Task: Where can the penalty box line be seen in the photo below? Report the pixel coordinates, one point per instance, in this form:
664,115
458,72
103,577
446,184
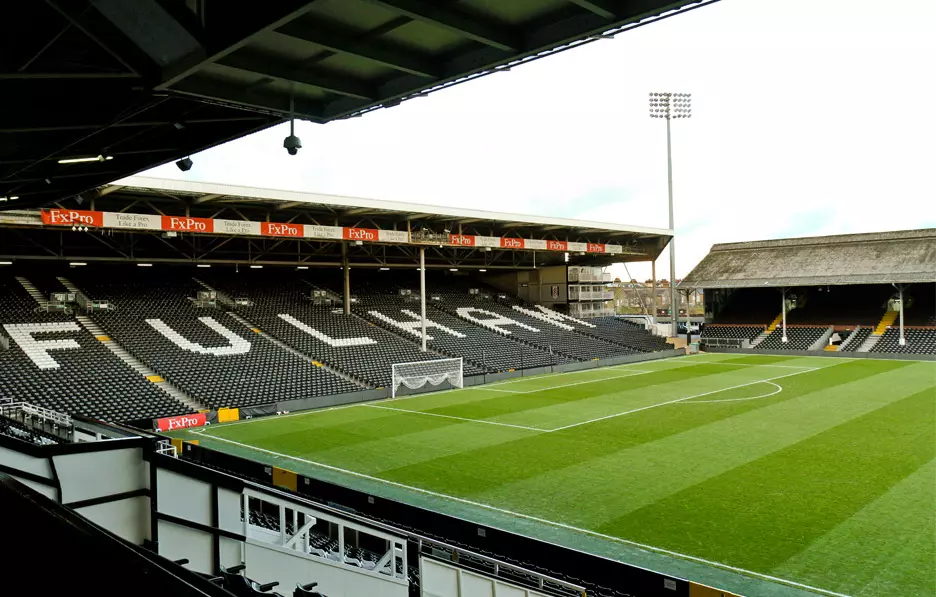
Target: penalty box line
530,517
678,400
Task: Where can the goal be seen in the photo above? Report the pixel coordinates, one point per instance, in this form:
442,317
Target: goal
417,374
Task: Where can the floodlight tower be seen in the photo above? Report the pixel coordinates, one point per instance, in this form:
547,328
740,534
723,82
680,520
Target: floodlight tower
670,105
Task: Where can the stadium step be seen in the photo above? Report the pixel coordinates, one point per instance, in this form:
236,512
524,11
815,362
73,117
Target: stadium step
33,291
848,341
868,344
135,364
237,317
823,341
66,283
886,321
760,338
831,348
776,322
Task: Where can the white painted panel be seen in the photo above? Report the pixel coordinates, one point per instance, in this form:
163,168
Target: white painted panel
128,519
473,585
265,565
511,591
97,474
183,497
229,511
177,542
232,552
437,580
26,463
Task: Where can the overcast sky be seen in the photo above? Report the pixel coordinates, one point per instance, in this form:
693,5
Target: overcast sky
809,117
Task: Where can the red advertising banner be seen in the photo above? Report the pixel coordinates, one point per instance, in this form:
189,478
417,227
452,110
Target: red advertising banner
557,245
368,234
595,248
72,217
183,224
274,229
462,240
181,422
511,243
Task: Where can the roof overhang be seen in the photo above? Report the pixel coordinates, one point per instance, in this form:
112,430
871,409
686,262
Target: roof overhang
180,219
901,257
151,81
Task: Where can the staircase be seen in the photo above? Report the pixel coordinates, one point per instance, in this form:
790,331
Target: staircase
33,291
868,344
844,345
135,364
823,341
761,337
66,283
359,382
776,322
886,322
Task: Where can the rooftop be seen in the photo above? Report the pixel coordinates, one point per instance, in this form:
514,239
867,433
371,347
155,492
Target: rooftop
907,256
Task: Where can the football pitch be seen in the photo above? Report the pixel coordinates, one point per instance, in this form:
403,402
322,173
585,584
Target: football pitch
759,474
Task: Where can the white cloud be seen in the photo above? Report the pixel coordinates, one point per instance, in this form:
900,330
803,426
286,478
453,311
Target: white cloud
808,118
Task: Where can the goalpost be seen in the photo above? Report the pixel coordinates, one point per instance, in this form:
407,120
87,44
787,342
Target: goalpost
417,374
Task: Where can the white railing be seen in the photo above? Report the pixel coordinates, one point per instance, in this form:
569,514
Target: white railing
31,410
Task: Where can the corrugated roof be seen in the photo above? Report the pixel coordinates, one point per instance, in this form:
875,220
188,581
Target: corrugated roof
906,256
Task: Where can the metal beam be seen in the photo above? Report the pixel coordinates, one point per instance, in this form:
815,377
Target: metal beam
207,198
271,67
65,76
606,9
145,123
385,53
214,91
464,24
222,39
290,204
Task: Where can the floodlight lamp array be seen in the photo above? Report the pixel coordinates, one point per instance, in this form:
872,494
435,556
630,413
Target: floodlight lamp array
670,105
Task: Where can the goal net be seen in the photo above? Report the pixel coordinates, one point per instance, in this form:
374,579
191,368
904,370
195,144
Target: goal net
416,375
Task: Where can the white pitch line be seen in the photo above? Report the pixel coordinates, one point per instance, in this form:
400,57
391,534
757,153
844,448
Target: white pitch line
577,383
774,393
628,412
431,414
537,519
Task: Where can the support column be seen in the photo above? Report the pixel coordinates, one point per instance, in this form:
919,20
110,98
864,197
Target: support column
900,289
674,307
654,298
346,270
783,294
422,296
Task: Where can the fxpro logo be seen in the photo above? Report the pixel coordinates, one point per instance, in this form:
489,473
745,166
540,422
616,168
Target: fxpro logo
461,240
512,243
282,230
181,422
71,217
556,245
185,224
361,234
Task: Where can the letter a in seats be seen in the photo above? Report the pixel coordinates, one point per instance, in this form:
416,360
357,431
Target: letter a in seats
236,344
363,341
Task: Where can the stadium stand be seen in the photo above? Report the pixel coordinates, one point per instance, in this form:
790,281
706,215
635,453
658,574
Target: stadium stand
53,362
750,306
482,348
740,332
918,341
854,341
324,333
198,349
799,338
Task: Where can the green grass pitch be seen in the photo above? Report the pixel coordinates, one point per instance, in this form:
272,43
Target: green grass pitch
771,475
